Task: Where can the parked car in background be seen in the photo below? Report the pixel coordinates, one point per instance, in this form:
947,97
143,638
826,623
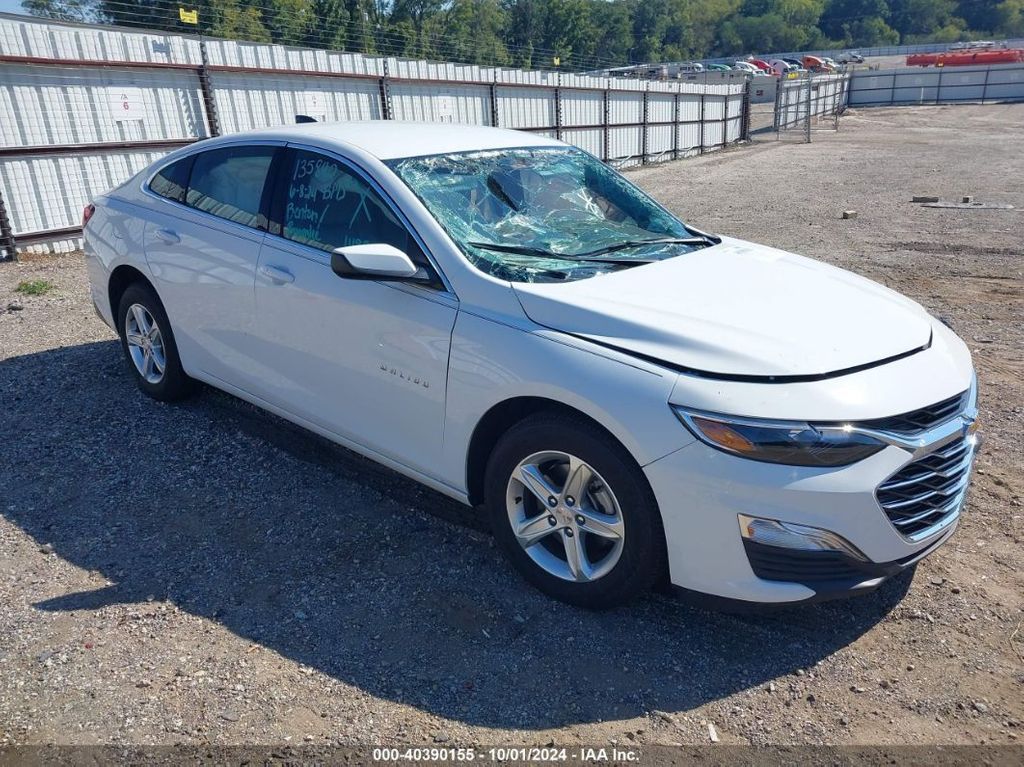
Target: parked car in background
719,68
815,64
783,68
831,63
850,57
796,64
763,65
687,68
509,321
748,68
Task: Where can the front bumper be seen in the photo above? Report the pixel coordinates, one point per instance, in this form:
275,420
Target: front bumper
701,491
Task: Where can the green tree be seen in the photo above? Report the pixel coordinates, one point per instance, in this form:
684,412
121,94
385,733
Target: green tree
61,10
330,28
920,18
1010,18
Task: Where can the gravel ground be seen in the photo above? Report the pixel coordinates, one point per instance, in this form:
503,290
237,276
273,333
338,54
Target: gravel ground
206,573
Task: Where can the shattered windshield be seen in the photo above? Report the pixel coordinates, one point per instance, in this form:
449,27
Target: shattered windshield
544,214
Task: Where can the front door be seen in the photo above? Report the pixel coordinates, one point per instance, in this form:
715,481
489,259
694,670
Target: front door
367,360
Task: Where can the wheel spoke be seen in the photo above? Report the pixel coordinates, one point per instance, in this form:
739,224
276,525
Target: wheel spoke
603,525
530,475
575,556
530,531
147,363
577,480
141,321
134,339
158,361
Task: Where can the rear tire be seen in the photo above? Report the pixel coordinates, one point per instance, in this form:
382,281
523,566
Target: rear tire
573,512
148,344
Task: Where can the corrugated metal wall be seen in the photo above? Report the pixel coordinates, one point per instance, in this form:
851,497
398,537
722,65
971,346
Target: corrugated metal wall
85,107
943,85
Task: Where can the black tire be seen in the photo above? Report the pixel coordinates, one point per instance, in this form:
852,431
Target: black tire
174,384
642,561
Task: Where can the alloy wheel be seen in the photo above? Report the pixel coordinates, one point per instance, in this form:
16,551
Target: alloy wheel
145,343
565,516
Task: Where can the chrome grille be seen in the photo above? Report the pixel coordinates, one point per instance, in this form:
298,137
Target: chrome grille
928,492
921,419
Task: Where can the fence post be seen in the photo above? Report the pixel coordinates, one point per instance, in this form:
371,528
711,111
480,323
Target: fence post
385,93
745,115
703,95
494,100
675,124
8,251
212,123
558,108
984,87
807,126
938,88
605,143
776,122
643,128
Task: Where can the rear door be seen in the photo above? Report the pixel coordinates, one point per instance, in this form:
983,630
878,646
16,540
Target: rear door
202,244
364,359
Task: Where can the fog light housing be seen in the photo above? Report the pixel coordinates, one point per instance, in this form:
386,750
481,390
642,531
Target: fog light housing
787,535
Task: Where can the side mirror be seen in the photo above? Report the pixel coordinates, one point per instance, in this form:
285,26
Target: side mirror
376,261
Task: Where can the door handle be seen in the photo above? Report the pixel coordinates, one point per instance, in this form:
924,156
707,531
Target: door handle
166,235
276,274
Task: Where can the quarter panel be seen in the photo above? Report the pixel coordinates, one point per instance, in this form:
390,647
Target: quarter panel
492,362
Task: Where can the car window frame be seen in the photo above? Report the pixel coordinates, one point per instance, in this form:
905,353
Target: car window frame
190,159
438,283
206,218
262,217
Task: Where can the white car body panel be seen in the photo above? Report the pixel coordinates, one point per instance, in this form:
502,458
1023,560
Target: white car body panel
368,360
404,373
706,311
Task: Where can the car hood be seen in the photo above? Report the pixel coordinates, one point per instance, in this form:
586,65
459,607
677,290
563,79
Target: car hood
736,309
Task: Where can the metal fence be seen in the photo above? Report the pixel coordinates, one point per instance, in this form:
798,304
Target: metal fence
940,85
809,102
84,107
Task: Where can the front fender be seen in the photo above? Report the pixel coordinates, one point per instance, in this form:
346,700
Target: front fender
492,362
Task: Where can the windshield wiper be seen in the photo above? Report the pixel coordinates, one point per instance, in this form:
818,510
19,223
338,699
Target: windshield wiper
705,240
523,250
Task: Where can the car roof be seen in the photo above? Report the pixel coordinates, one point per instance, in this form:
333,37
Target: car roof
391,139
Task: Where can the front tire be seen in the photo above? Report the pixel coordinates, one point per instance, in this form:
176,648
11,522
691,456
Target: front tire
573,512
148,344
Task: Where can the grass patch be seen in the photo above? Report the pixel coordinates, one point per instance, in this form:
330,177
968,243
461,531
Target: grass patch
34,287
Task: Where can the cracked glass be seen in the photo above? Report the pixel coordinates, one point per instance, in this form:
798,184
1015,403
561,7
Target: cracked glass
544,214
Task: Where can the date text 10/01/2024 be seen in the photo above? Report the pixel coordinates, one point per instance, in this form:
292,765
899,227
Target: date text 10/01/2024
506,754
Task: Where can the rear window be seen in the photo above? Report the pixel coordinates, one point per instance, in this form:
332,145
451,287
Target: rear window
228,182
172,180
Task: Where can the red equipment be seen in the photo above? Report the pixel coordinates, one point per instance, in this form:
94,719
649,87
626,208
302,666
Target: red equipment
966,58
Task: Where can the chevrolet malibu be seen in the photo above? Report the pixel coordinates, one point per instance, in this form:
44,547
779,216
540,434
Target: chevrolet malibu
504,318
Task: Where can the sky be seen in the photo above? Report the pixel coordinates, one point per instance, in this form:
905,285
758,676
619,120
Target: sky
10,6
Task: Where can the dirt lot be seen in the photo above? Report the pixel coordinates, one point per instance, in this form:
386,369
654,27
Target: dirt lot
206,573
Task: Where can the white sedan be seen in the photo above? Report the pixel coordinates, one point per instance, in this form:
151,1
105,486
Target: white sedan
512,323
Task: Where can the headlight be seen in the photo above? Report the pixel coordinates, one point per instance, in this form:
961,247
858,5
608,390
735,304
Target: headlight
790,442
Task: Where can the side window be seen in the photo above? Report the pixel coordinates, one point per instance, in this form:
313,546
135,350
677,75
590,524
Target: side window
228,182
172,180
327,206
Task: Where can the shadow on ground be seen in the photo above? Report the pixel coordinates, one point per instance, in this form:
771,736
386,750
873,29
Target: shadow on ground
336,563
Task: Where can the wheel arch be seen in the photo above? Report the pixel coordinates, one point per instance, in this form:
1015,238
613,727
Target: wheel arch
499,419
123,276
